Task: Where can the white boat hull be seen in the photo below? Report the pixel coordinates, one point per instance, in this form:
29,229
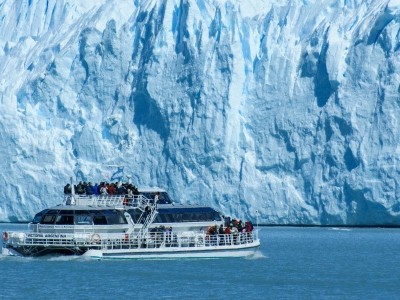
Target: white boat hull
171,253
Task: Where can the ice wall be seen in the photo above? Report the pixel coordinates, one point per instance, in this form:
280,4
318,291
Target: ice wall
285,107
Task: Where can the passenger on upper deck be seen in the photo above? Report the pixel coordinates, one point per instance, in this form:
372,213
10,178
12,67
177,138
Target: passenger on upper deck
80,188
103,189
89,189
121,190
130,194
96,189
111,189
249,226
239,226
67,189
221,229
228,230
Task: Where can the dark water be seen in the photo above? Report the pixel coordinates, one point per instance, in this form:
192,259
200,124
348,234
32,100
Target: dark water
292,263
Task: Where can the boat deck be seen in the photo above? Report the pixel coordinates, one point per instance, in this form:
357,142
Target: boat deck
124,243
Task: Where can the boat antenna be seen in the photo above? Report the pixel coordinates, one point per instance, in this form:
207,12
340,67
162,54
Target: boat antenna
72,192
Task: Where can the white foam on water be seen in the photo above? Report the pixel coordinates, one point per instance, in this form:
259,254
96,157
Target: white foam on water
257,255
339,229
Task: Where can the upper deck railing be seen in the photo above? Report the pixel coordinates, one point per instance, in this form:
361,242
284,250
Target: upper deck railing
134,201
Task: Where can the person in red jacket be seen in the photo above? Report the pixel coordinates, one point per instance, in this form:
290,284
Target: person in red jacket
228,235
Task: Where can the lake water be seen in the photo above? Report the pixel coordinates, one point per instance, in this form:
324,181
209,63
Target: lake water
292,263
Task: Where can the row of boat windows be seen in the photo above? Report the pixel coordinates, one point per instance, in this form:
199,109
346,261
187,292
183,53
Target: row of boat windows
181,216
86,217
187,217
112,216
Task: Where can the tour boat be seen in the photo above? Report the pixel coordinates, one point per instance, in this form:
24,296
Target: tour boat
145,225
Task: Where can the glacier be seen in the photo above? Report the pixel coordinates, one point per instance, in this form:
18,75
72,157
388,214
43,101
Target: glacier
283,109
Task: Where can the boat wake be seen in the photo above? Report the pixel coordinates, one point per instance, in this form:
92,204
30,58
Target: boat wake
45,258
339,229
257,255
67,258
15,258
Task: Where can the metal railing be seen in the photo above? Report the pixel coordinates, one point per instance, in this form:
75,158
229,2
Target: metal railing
111,241
180,240
134,201
148,216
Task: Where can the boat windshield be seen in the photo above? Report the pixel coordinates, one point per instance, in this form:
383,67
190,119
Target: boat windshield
39,216
80,217
182,215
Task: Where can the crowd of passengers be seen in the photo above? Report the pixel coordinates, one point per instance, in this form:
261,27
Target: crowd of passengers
161,228
161,232
229,234
102,188
234,227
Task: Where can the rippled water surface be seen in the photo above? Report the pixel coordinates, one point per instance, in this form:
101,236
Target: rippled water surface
292,263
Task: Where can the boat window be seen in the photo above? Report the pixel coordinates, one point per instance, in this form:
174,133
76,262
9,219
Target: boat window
135,215
48,219
165,218
65,219
189,217
99,220
38,216
164,198
83,218
178,217
191,214
115,217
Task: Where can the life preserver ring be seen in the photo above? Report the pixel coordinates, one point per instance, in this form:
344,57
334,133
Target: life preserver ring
5,236
96,239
